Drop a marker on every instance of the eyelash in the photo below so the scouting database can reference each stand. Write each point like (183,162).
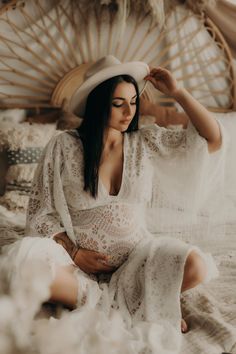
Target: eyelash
(120,105)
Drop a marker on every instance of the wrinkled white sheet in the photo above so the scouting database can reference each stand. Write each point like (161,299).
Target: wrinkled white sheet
(210,311)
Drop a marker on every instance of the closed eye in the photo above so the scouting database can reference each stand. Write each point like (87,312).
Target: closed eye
(120,105)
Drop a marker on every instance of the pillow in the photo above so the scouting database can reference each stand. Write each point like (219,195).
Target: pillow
(22,145)
(3,171)
(15,115)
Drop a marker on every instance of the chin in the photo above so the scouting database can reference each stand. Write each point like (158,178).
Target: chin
(121,127)
(124,128)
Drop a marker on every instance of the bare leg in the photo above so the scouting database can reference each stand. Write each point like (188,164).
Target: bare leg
(64,288)
(194,274)
(194,271)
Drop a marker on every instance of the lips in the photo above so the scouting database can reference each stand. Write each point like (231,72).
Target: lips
(125,121)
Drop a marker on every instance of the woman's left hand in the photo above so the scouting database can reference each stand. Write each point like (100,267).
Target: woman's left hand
(163,80)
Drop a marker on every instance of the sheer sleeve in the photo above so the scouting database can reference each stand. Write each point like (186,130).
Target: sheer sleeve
(187,179)
(167,142)
(47,212)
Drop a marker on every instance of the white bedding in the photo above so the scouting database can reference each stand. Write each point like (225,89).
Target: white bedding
(210,311)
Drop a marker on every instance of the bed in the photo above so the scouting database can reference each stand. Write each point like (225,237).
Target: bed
(44,48)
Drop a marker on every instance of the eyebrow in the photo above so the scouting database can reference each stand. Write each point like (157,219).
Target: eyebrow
(122,98)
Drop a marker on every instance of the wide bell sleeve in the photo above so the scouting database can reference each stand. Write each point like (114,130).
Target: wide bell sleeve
(47,212)
(187,179)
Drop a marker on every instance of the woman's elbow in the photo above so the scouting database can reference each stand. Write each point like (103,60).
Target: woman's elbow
(215,145)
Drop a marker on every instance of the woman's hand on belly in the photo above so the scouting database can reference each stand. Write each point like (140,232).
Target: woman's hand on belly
(88,261)
(92,262)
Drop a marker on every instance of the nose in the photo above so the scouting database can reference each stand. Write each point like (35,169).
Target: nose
(128,110)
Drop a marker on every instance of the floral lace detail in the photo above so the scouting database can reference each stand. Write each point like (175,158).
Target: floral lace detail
(41,213)
(146,286)
(47,212)
(169,142)
(113,229)
(149,283)
(57,189)
(164,140)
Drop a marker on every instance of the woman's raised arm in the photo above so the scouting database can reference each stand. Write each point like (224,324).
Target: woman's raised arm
(200,117)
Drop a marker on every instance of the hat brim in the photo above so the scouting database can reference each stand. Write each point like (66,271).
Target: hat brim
(137,69)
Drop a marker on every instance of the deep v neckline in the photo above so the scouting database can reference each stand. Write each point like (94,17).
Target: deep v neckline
(122,175)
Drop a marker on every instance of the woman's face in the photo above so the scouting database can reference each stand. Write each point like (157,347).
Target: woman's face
(123,106)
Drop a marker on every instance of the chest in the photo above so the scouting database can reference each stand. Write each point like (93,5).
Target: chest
(111,170)
(123,176)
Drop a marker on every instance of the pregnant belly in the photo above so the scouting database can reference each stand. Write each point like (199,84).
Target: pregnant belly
(117,250)
(112,230)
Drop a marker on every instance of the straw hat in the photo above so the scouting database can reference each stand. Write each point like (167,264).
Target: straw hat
(103,69)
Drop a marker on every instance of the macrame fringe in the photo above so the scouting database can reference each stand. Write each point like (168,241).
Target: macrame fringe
(122,9)
(156,8)
(199,5)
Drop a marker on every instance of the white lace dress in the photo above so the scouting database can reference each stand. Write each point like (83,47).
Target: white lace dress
(146,286)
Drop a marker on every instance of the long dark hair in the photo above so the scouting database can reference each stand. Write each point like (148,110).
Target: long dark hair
(91,131)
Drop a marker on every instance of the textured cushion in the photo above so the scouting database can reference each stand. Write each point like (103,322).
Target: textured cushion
(3,171)
(21,146)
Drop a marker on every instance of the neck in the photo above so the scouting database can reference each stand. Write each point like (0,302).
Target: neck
(112,138)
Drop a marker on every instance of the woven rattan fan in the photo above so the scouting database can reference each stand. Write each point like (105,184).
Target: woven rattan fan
(45,46)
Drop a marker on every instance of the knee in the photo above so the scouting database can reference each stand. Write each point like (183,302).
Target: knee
(195,270)
(64,288)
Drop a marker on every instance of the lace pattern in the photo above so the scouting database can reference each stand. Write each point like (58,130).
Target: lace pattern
(113,229)
(152,155)
(146,286)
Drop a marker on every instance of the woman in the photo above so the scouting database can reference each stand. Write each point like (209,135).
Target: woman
(89,192)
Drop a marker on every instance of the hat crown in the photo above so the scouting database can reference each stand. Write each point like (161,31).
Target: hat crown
(101,64)
(100,71)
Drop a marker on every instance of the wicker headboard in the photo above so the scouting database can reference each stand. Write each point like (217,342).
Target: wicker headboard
(46,45)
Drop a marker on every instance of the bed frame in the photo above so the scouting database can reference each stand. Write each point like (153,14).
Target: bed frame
(45,49)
